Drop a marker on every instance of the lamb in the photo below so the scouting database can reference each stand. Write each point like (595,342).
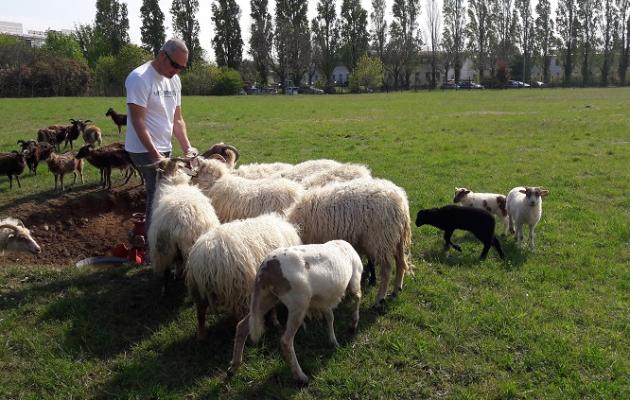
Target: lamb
(491,202)
(524,206)
(12,164)
(61,164)
(14,236)
(308,278)
(371,214)
(105,158)
(92,134)
(475,220)
(222,264)
(119,119)
(181,214)
(234,197)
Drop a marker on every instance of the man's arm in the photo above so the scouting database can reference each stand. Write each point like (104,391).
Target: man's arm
(180,132)
(137,114)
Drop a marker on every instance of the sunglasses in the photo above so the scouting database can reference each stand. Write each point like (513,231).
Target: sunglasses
(173,63)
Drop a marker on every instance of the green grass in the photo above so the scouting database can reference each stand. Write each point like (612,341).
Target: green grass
(553,324)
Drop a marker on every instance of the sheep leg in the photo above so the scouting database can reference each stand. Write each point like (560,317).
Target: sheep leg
(386,269)
(354,289)
(242,330)
(330,320)
(202,307)
(17,178)
(511,224)
(370,271)
(108,177)
(506,224)
(401,268)
(296,315)
(519,236)
(447,240)
(532,236)
(497,246)
(486,249)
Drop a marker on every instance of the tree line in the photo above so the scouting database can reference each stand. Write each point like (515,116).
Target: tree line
(502,38)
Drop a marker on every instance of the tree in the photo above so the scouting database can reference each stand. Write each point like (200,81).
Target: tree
(480,30)
(90,43)
(506,28)
(227,41)
(292,39)
(589,14)
(261,39)
(368,74)
(622,41)
(454,13)
(354,34)
(527,39)
(379,30)
(567,25)
(325,38)
(152,29)
(405,39)
(63,45)
(609,31)
(433,25)
(543,32)
(112,25)
(185,25)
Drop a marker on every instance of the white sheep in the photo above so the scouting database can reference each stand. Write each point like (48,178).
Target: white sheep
(341,173)
(492,202)
(222,264)
(181,213)
(306,279)
(308,168)
(524,206)
(371,214)
(234,197)
(261,170)
(14,236)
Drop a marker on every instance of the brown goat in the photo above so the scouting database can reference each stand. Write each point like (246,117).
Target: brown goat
(107,157)
(61,164)
(12,164)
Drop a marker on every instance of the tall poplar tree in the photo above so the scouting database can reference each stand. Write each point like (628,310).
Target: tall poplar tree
(152,29)
(186,26)
(292,39)
(623,39)
(261,38)
(112,25)
(544,34)
(454,15)
(325,28)
(379,28)
(608,28)
(567,26)
(589,14)
(524,9)
(227,41)
(354,34)
(480,31)
(433,25)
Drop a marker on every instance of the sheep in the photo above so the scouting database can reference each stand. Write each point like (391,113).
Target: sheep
(234,197)
(74,131)
(308,168)
(119,119)
(492,202)
(61,164)
(92,134)
(222,264)
(261,171)
(105,158)
(371,214)
(341,173)
(475,220)
(307,278)
(181,214)
(227,151)
(14,236)
(12,164)
(524,206)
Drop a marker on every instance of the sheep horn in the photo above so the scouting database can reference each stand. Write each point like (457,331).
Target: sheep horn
(238,155)
(8,226)
(217,157)
(20,223)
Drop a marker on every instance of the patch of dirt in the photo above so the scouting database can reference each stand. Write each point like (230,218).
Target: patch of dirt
(76,224)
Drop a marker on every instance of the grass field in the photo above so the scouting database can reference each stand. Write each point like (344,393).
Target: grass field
(554,324)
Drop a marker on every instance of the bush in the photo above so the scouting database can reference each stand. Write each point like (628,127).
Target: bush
(204,79)
(228,82)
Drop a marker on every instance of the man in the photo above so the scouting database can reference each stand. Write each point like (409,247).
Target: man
(154,113)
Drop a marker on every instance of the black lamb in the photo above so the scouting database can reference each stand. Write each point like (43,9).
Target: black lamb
(448,218)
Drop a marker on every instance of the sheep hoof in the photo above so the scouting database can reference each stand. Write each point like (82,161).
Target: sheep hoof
(301,379)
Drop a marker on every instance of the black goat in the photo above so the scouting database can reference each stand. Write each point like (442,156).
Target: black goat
(105,158)
(75,130)
(119,119)
(31,151)
(448,218)
(12,164)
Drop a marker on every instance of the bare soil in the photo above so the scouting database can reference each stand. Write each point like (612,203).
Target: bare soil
(84,222)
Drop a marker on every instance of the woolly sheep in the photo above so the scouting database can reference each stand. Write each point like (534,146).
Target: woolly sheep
(181,214)
(371,214)
(222,263)
(14,236)
(262,170)
(234,197)
(492,202)
(524,206)
(341,173)
(308,278)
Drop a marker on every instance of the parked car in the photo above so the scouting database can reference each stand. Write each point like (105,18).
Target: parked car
(515,84)
(449,85)
(538,84)
(310,90)
(469,85)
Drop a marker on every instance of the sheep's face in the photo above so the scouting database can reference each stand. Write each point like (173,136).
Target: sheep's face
(460,193)
(84,151)
(207,171)
(534,195)
(421,218)
(20,240)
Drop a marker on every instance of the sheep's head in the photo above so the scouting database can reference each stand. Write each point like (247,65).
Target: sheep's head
(460,193)
(109,112)
(227,151)
(172,171)
(19,238)
(534,195)
(85,151)
(45,149)
(208,171)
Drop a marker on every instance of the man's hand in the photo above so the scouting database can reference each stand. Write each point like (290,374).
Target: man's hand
(192,152)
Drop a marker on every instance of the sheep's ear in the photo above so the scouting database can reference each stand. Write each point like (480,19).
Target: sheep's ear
(544,192)
(466,191)
(523,191)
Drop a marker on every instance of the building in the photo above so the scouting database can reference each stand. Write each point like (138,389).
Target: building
(33,37)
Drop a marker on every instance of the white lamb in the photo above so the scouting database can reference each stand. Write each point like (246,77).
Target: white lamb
(234,197)
(492,202)
(306,279)
(524,206)
(181,213)
(222,264)
(371,214)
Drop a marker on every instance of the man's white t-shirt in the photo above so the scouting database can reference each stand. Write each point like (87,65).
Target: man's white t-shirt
(160,96)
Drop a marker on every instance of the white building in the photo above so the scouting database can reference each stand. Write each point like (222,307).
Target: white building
(35,38)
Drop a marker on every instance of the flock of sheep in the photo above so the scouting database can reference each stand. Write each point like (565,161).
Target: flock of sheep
(246,238)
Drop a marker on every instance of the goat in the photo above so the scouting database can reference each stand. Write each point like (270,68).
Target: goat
(61,164)
(119,119)
(47,135)
(31,151)
(475,220)
(524,206)
(308,278)
(105,158)
(74,131)
(14,236)
(92,134)
(12,164)
(61,133)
